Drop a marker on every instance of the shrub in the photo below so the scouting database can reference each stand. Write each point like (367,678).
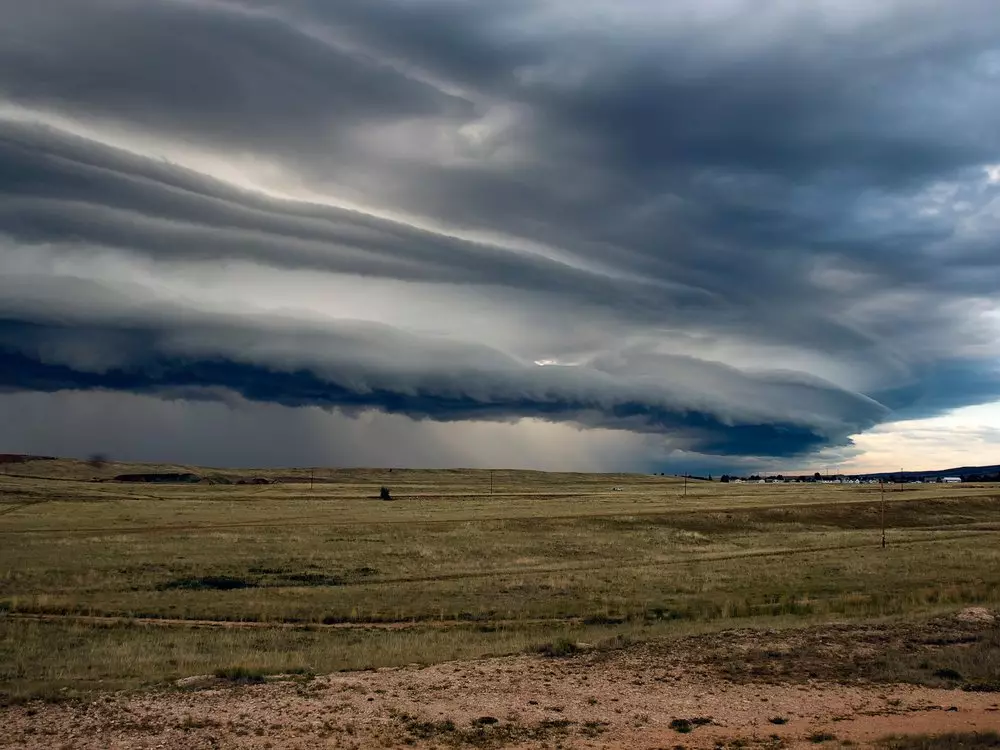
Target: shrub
(818,737)
(948,674)
(559,647)
(241,675)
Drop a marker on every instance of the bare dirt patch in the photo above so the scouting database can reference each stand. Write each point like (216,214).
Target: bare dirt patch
(659,695)
(976,614)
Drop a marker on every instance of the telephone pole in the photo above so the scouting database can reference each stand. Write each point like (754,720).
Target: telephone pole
(685,485)
(491,482)
(882,485)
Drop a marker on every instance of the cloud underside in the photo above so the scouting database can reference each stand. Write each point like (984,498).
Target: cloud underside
(360,368)
(753,232)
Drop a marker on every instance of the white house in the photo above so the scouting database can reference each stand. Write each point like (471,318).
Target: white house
(951,480)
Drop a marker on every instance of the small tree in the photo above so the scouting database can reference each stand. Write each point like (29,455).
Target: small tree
(384,494)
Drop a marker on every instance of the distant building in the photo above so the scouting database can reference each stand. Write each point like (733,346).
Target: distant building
(951,480)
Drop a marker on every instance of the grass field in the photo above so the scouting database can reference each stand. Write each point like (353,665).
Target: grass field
(109,585)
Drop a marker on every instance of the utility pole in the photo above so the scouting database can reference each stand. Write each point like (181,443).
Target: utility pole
(685,485)
(491,482)
(882,484)
(311,478)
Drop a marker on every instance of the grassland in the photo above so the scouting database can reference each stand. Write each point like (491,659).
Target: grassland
(108,585)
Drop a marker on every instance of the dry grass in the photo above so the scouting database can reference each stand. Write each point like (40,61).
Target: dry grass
(970,740)
(547,556)
(939,652)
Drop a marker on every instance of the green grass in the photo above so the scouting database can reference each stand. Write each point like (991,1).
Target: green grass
(548,558)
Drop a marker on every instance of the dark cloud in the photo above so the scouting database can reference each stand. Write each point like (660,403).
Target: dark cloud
(201,70)
(235,432)
(352,367)
(809,191)
(947,384)
(68,190)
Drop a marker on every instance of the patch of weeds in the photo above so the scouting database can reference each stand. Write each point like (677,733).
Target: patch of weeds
(774,742)
(561,647)
(982,687)
(50,694)
(594,728)
(818,737)
(603,620)
(241,675)
(212,583)
(547,724)
(948,674)
(616,643)
(486,731)
(683,726)
(662,613)
(313,579)
(426,730)
(190,723)
(969,740)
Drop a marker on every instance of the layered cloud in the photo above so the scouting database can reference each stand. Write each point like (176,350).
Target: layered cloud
(740,231)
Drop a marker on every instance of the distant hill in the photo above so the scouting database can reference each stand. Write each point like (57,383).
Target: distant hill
(109,470)
(960,471)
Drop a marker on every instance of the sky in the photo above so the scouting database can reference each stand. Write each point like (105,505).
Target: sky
(700,236)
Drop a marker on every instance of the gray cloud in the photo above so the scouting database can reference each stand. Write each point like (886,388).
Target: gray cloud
(199,69)
(780,189)
(354,366)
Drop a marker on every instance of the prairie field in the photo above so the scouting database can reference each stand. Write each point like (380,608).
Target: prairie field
(109,585)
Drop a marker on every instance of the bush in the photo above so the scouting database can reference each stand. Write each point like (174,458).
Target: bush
(241,675)
(818,737)
(559,647)
(384,493)
(948,674)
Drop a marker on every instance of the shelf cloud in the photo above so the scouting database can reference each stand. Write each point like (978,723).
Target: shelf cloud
(718,229)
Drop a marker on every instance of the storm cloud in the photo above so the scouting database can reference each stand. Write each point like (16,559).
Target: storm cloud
(742,231)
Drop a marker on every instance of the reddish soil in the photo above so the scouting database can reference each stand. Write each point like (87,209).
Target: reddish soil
(618,699)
